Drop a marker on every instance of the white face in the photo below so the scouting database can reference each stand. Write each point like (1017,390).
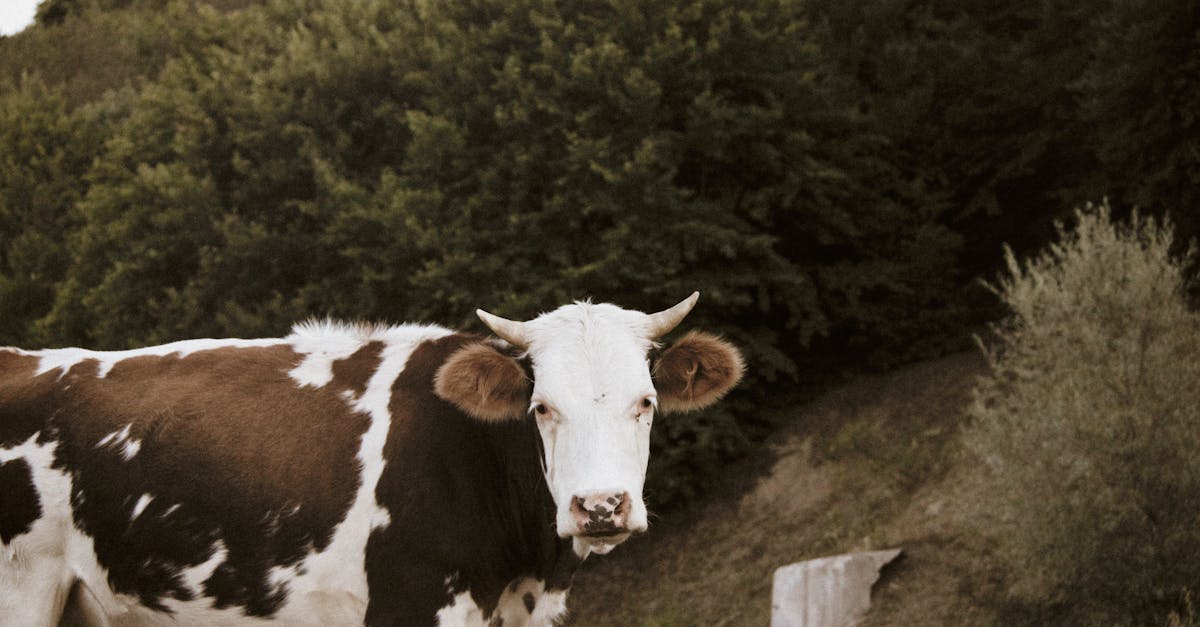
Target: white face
(594,403)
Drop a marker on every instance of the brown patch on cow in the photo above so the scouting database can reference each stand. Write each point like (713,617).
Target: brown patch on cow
(530,602)
(19,502)
(230,450)
(563,571)
(484,383)
(696,371)
(469,505)
(354,372)
(24,398)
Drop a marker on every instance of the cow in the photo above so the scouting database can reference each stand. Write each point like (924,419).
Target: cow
(344,474)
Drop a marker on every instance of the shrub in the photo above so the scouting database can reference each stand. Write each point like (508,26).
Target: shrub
(1089,425)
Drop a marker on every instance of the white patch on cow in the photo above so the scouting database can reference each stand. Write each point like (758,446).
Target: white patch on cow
(140,506)
(323,342)
(511,609)
(526,603)
(64,358)
(334,581)
(551,608)
(33,563)
(60,358)
(201,611)
(281,575)
(195,576)
(129,446)
(582,549)
(115,437)
(170,510)
(39,566)
(461,612)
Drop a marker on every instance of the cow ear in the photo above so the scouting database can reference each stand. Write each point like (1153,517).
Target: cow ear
(696,372)
(483,382)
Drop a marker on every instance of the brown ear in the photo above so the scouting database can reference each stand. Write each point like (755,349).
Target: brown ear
(696,372)
(484,383)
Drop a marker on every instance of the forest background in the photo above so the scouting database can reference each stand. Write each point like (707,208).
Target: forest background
(834,177)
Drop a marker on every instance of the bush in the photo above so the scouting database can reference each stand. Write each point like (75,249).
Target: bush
(1089,425)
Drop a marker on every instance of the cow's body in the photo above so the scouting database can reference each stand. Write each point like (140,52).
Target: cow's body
(204,481)
(315,479)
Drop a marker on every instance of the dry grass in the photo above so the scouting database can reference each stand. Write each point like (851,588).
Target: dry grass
(871,464)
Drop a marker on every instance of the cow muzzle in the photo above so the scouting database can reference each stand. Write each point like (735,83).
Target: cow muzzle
(602,519)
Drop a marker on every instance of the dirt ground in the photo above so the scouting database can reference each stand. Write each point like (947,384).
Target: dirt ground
(874,463)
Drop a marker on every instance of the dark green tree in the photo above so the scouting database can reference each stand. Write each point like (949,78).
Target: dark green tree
(218,202)
(45,151)
(981,98)
(1140,95)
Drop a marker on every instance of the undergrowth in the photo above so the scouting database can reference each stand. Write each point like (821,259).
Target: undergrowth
(1089,425)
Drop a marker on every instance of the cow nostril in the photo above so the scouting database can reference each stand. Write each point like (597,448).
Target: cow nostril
(623,505)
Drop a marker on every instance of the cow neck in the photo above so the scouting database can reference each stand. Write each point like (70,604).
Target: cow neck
(468,501)
(516,447)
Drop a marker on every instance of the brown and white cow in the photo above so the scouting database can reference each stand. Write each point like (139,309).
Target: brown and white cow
(405,475)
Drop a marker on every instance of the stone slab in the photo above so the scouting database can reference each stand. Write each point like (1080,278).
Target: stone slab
(827,592)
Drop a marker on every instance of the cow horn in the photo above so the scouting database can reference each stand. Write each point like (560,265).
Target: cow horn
(510,331)
(661,323)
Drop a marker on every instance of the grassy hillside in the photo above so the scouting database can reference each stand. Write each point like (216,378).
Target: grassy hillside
(1055,482)
(874,463)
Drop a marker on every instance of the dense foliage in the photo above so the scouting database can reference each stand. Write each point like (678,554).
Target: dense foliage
(1088,424)
(1023,110)
(832,177)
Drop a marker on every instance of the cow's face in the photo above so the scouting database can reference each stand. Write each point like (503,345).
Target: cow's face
(597,384)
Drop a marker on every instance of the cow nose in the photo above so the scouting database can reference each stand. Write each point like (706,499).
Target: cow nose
(601,513)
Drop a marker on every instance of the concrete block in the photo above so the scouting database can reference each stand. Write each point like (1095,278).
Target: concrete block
(827,592)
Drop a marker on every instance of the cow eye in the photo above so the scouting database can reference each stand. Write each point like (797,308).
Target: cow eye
(540,410)
(647,403)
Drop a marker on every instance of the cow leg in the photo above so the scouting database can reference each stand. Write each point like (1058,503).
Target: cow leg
(34,519)
(33,590)
(82,609)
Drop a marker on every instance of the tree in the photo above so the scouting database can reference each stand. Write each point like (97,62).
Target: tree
(45,151)
(1139,97)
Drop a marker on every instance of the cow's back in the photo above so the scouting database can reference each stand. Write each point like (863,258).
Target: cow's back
(203,484)
(25,397)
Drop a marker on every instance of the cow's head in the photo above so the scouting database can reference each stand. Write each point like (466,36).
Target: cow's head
(598,379)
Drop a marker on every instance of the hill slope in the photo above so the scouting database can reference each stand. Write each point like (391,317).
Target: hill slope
(874,463)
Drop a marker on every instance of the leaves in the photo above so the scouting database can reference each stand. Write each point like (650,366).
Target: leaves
(1088,425)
